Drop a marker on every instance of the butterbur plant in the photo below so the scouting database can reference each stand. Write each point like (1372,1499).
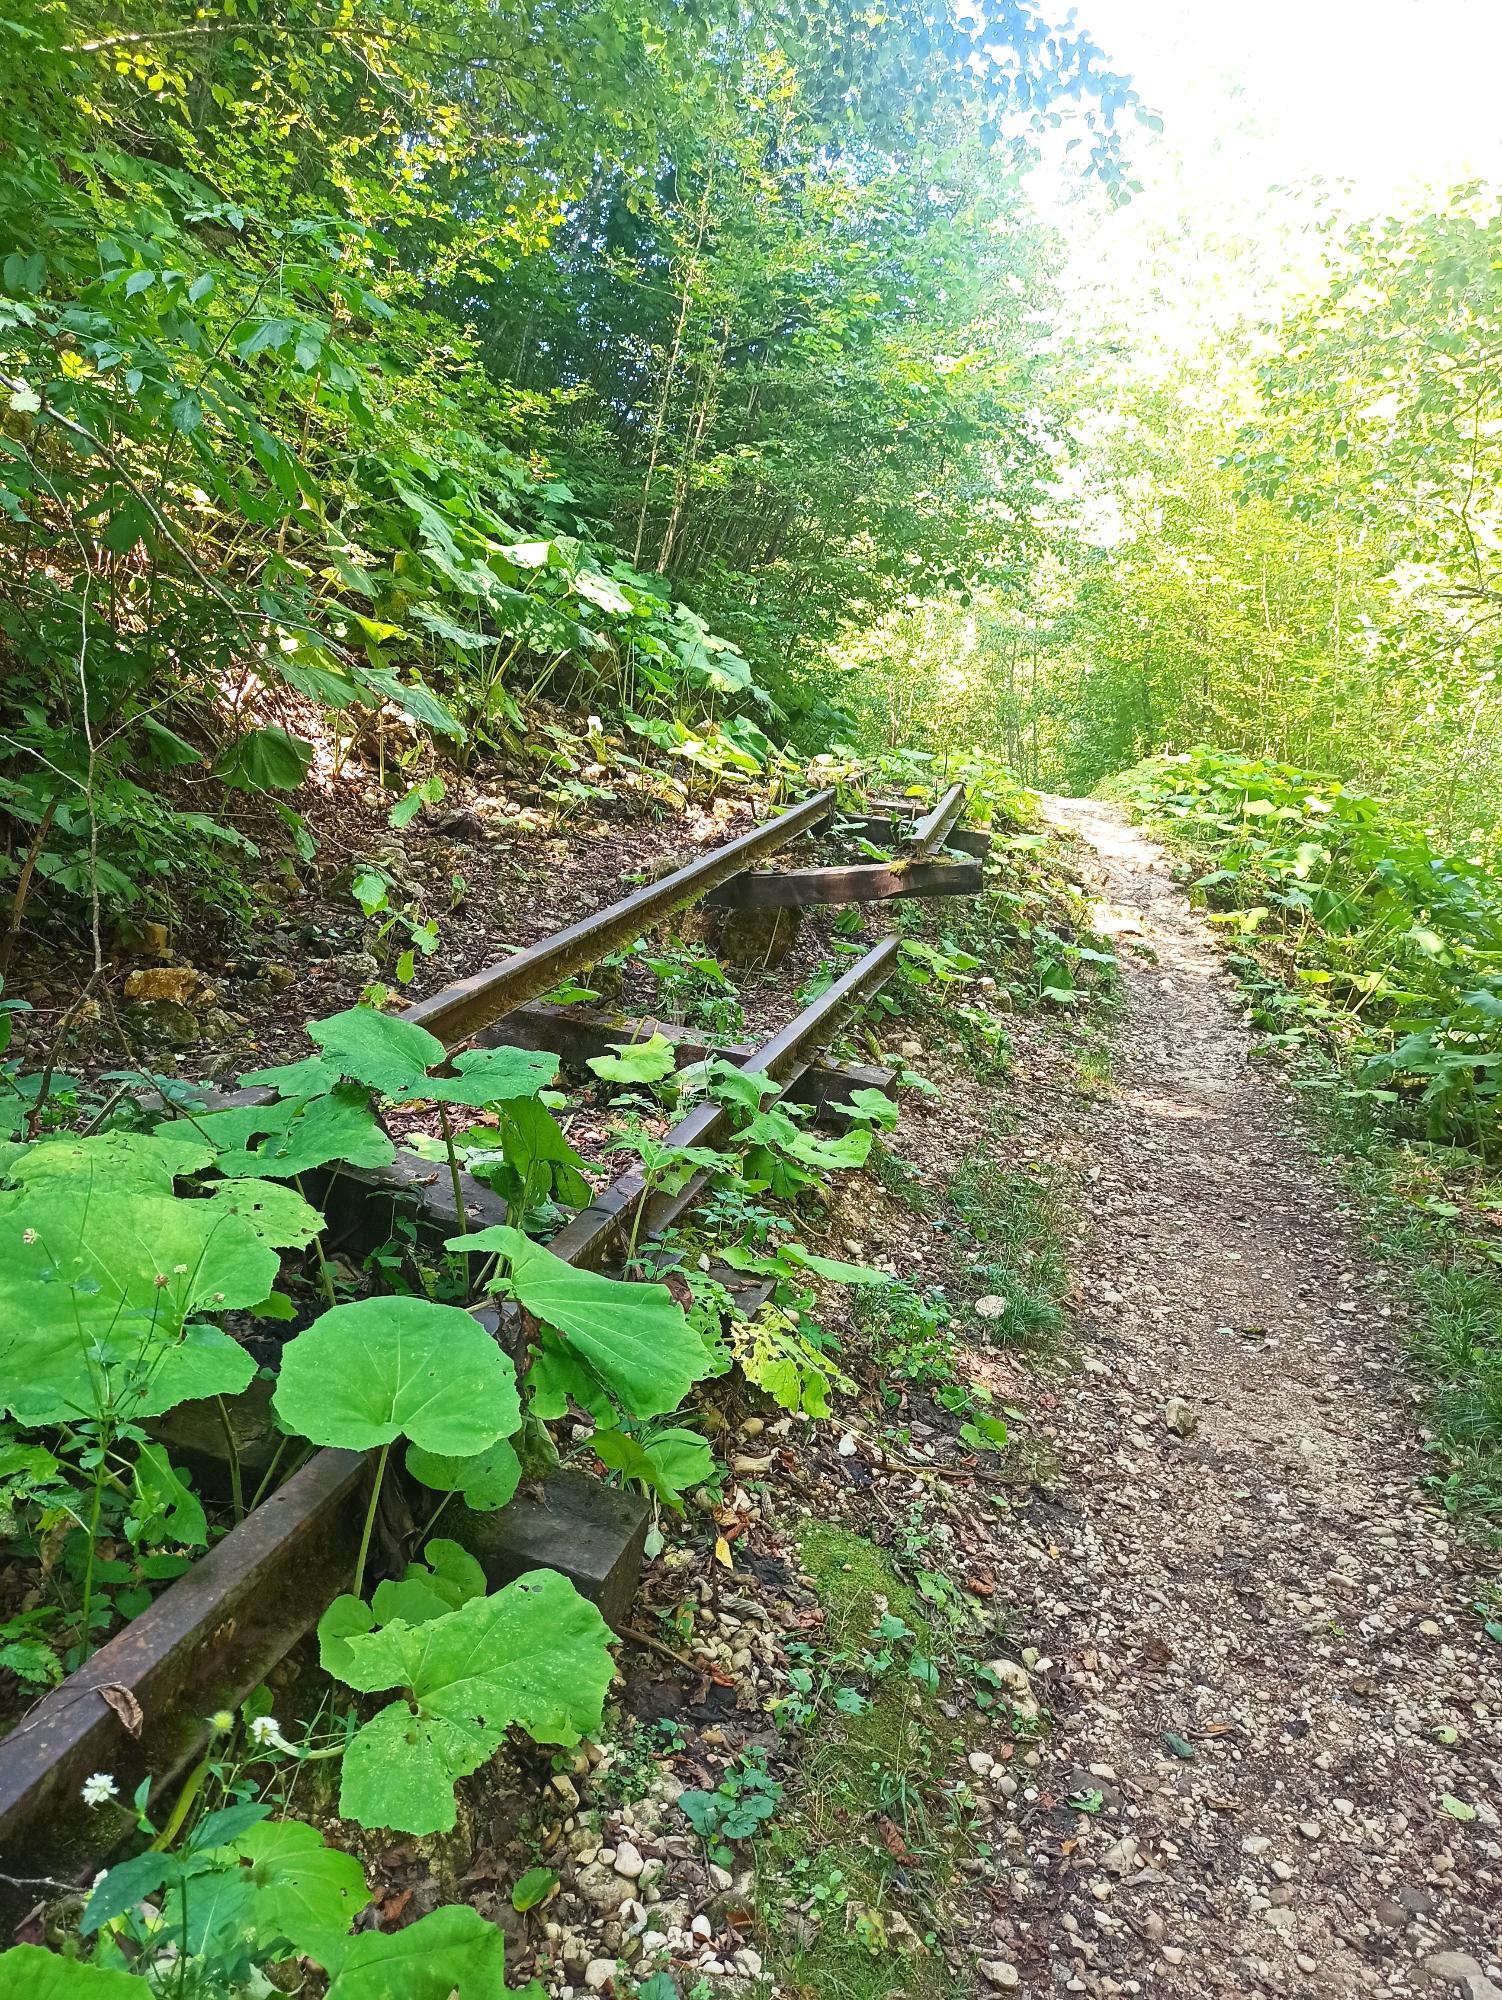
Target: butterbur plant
(366,1374)
(466,1666)
(242,1893)
(606,1344)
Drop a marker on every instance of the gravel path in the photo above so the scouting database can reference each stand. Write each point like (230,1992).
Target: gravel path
(1236,1554)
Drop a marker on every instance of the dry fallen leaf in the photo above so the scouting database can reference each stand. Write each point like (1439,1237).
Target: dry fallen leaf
(124,1703)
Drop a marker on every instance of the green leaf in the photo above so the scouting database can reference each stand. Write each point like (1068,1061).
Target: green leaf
(308,1078)
(450,1952)
(298,1135)
(875,1107)
(125,1885)
(278,1214)
(166,1508)
(29,1972)
(637,1062)
(669,1464)
(98,1302)
(304,1887)
(427,793)
(264,760)
(112,1162)
(633,1336)
(1179,1745)
(535,1654)
(532,1888)
(365,1374)
(494,1076)
(1456,1808)
(167,750)
(413,700)
(486,1481)
(833,1269)
(849,1150)
(387,1054)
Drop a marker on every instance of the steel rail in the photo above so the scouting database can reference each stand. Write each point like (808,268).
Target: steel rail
(467,1006)
(928,833)
(203,1644)
(138,1708)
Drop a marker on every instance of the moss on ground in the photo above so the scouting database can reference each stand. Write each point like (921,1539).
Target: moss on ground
(862,1775)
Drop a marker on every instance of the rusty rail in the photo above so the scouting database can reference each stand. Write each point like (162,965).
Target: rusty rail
(461,1010)
(217,1631)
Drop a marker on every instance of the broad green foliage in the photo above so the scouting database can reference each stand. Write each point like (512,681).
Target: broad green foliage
(534,1654)
(294,305)
(637,1062)
(1397,943)
(365,1374)
(296,1134)
(27,1972)
(449,1952)
(97,1294)
(301,1886)
(632,1340)
(385,1054)
(668,1462)
(485,1480)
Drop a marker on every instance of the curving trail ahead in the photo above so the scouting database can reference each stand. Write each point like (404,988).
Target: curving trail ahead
(1251,1568)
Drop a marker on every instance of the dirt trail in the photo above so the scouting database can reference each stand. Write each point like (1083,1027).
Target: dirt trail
(1268,1585)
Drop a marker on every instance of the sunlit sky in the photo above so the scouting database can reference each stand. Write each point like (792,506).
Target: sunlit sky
(1388,96)
(1382,92)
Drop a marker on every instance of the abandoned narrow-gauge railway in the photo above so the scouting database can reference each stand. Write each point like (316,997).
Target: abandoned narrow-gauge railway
(138,1706)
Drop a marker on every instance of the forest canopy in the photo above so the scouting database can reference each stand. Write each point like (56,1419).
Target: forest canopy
(374,375)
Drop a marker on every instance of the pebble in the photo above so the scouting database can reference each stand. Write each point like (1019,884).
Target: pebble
(1000,1972)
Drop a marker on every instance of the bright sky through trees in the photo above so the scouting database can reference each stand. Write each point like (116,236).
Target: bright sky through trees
(1377,92)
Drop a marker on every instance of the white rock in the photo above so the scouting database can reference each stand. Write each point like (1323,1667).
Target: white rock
(628,1861)
(981,1762)
(1000,1972)
(1010,1675)
(701,1927)
(598,1974)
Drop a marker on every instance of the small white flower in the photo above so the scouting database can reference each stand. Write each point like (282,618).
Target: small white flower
(100,1789)
(28,1236)
(181,1270)
(218,1298)
(266,1732)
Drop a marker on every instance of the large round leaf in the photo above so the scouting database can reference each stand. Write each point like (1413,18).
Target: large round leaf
(126,1161)
(449,1951)
(304,1888)
(535,1654)
(379,1050)
(494,1076)
(634,1336)
(380,1369)
(28,1972)
(96,1286)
